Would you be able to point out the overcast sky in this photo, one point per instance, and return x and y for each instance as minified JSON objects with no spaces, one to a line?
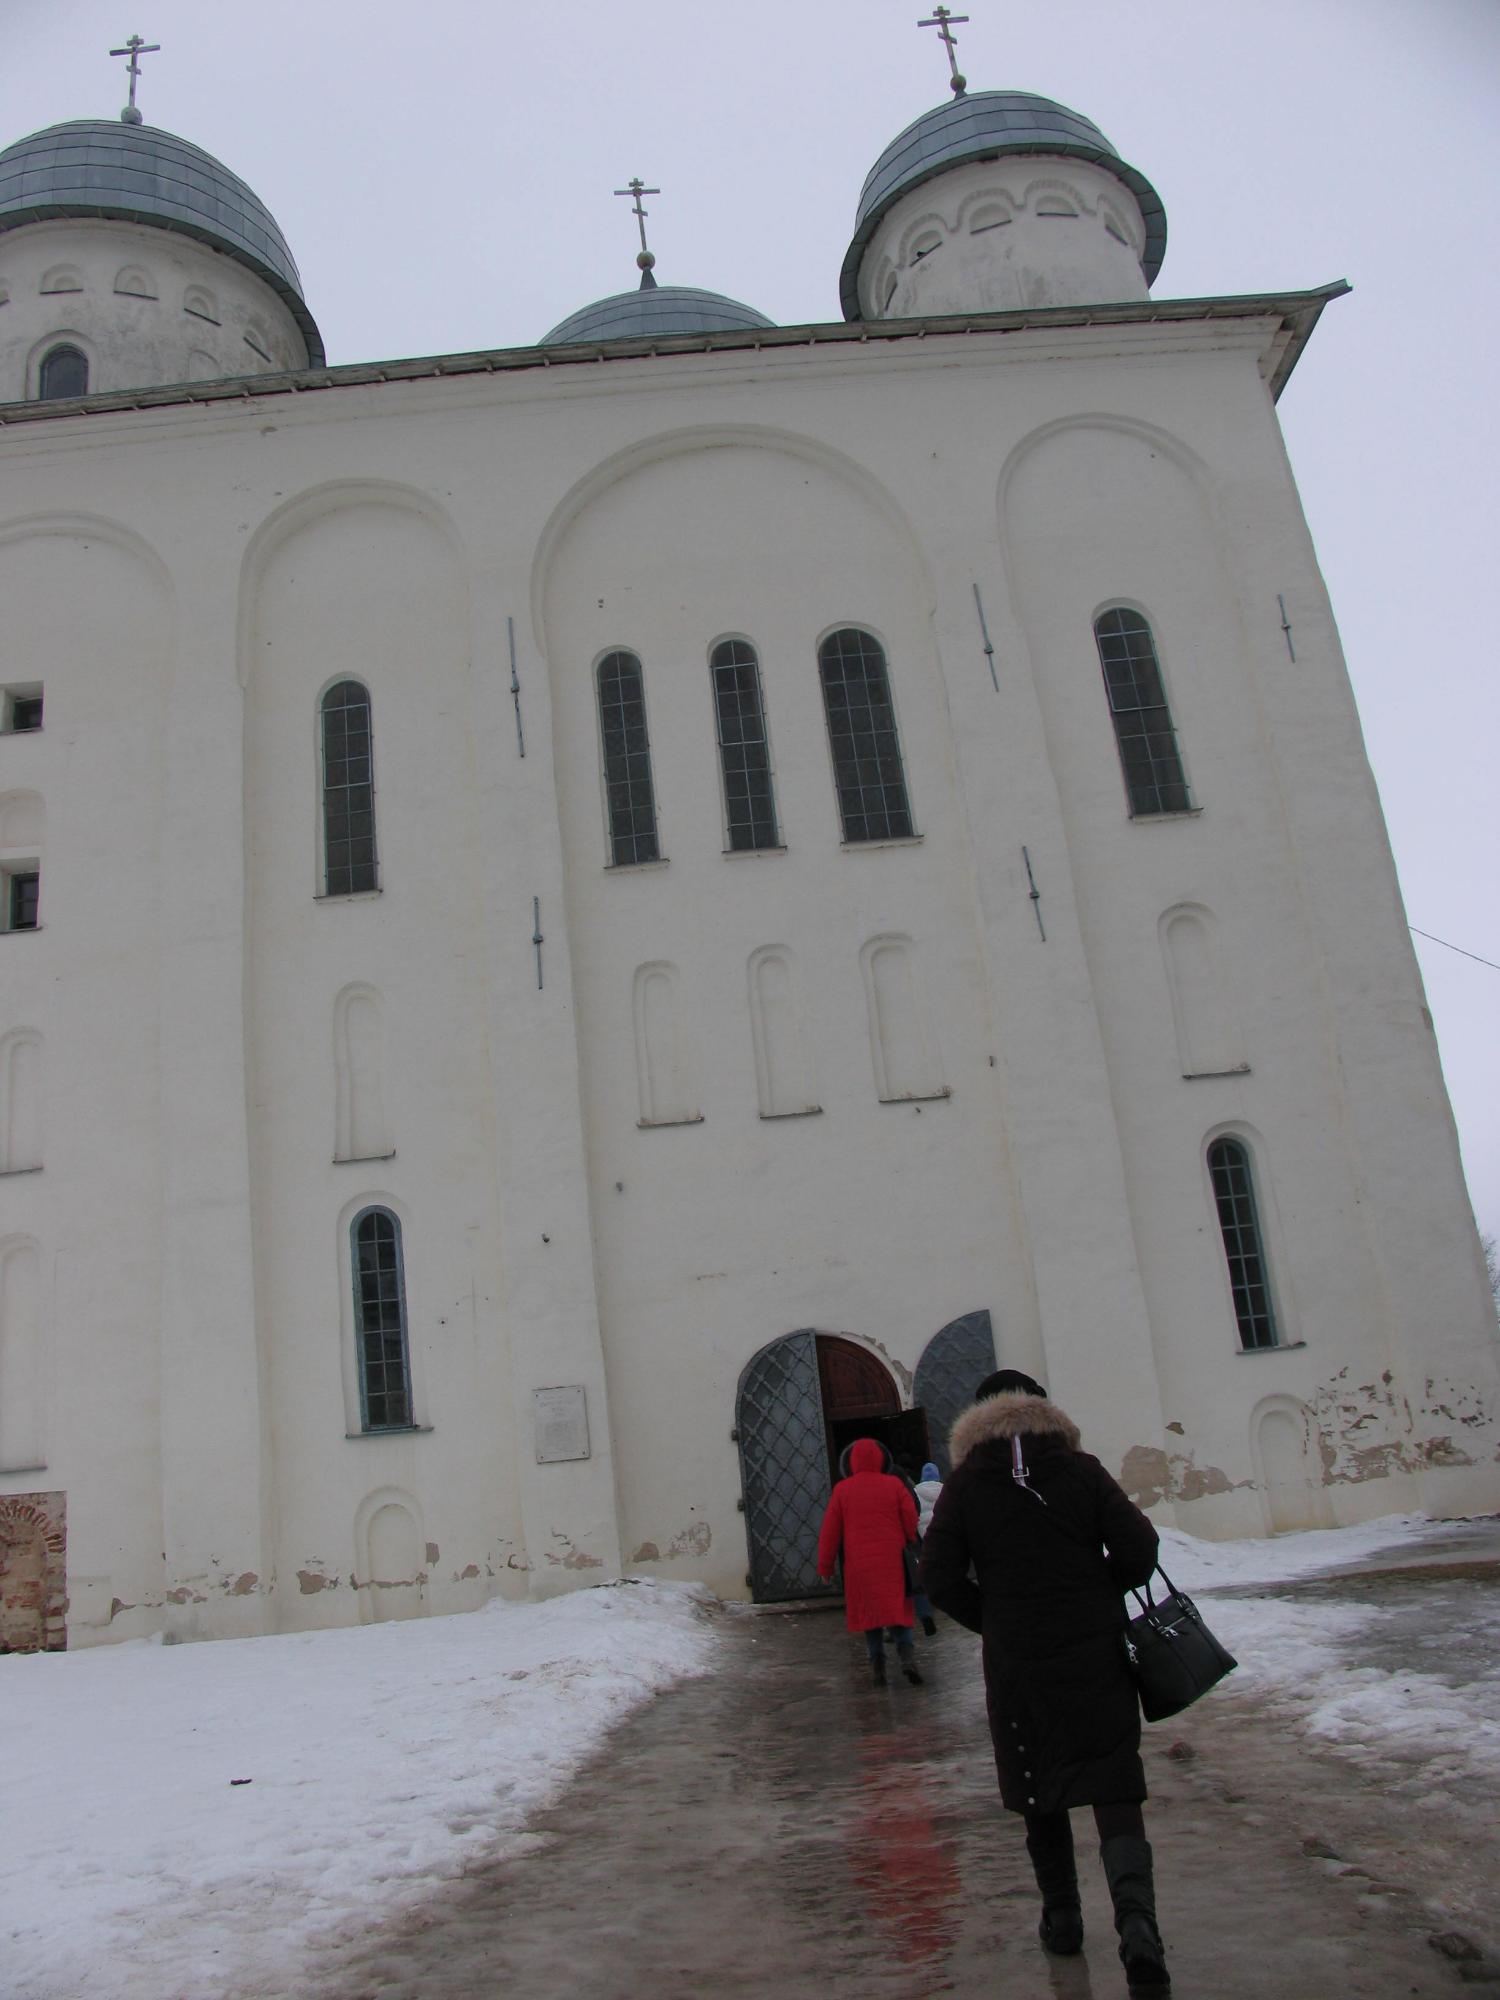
{"x":444,"y":176}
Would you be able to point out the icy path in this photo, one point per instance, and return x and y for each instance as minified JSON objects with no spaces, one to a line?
{"x":381,"y":1761}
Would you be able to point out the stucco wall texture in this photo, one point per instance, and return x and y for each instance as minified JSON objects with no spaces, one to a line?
{"x":187,"y":581}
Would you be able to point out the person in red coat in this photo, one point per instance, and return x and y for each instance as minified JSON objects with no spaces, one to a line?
{"x":870,"y":1520}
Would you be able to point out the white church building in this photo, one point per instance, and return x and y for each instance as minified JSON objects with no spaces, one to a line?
{"x":585,"y":923}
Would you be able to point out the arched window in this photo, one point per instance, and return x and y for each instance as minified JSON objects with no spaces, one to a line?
{"x":348,"y":791}
{"x":380,"y":1321}
{"x":64,"y":372}
{"x":627,"y":761}
{"x":744,"y":753}
{"x":1244,"y":1248}
{"x":862,"y":736}
{"x":1154,"y":781}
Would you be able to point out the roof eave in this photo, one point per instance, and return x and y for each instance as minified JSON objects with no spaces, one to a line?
{"x":1296,"y":314}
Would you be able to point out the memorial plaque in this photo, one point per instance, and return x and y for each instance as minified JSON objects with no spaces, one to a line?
{"x":562,"y":1424}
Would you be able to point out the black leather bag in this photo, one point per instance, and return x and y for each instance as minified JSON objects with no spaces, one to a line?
{"x":1173,"y":1655}
{"x":911,"y":1555}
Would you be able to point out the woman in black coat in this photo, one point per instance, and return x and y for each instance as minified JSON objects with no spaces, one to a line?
{"x":1053,"y":1544}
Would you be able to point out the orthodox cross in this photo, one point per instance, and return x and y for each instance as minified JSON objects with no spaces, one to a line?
{"x":135,"y":48}
{"x":943,"y":19}
{"x":637,"y":188}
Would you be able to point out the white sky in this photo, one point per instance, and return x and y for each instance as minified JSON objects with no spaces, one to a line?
{"x":444,"y":177}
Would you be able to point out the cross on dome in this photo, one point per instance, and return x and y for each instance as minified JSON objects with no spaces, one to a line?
{"x":135,"y":47}
{"x":943,"y":19}
{"x":644,"y":260}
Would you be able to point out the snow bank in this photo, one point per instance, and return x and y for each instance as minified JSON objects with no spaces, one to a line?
{"x":1317,"y":1659}
{"x":381,"y":1760}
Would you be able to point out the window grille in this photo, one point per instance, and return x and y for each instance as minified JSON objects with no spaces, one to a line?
{"x":867,"y":771}
{"x":1244,"y":1251}
{"x":627,"y":761}
{"x":25,"y":713}
{"x":1154,"y":780}
{"x":64,"y":372}
{"x":380,"y":1322}
{"x":348,"y":791}
{"x":744,"y":753}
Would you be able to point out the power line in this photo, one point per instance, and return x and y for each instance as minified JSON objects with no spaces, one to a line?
{"x":1454,"y":947}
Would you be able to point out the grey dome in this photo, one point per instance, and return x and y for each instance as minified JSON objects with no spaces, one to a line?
{"x":983,"y":125}
{"x":135,"y":173}
{"x":659,"y":309}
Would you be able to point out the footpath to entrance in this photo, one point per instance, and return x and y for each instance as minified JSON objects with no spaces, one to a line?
{"x":784,"y":1829}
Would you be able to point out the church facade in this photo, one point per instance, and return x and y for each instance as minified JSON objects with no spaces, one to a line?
{"x":585,"y":923}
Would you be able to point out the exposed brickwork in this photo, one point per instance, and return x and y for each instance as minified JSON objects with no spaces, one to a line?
{"x":33,"y":1573}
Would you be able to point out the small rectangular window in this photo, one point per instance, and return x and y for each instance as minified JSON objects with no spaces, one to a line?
{"x":20,"y":709}
{"x":23,"y":891}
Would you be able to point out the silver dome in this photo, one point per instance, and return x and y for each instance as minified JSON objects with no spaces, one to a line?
{"x":135,"y":173}
{"x":658,"y":309}
{"x":983,"y":125}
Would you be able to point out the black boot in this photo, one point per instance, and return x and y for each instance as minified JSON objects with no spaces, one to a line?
{"x":1127,"y":1869}
{"x":877,"y":1671}
{"x":929,"y":1626}
{"x":1050,"y":1846}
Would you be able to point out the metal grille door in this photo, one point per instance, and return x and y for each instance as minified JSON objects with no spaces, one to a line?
{"x":953,"y":1364}
{"x":784,"y":1468}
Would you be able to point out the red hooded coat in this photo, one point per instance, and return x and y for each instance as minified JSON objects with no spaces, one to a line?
{"x":870,"y":1519}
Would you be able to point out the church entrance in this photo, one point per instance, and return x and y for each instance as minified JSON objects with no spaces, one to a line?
{"x":801,"y":1402}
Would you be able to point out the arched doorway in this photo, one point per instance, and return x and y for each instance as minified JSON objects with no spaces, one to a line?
{"x":800,"y":1401}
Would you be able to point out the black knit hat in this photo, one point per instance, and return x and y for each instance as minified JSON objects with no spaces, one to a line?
{"x":1008,"y":1382}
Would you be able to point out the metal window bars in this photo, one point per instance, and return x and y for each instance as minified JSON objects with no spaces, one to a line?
{"x":868,"y":774}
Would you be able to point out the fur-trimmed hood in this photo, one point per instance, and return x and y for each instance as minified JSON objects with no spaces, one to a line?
{"x":1000,"y":1418}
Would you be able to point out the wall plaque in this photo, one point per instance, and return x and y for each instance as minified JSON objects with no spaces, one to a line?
{"x":562,"y":1424}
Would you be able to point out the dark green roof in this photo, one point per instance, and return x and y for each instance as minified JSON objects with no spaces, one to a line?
{"x":135,"y":173}
{"x":984,"y":125}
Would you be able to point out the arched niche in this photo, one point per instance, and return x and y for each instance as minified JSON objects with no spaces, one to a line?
{"x":903,"y":1045}
{"x":23,"y":1358}
{"x":20,"y":1101}
{"x":362,"y":1128}
{"x":390,"y":1556}
{"x":708,"y":533}
{"x":1204,"y":1017}
{"x":1284,"y":1452}
{"x":784,"y":1081}
{"x":364,"y":583}
{"x":1098,"y":511}
{"x":666,"y":1051}
{"x":91,"y":599}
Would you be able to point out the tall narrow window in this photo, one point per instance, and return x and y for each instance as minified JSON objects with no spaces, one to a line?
{"x":862,"y":736}
{"x":1154,"y":781}
{"x":749,"y":803}
{"x":380,"y":1322}
{"x":64,"y":372}
{"x":1244,"y":1250}
{"x":627,"y":761}
{"x":348,"y":791}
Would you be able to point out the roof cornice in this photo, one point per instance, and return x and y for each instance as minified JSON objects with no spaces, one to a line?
{"x":1296,"y":312}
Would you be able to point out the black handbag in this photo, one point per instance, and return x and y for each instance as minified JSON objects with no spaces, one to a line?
{"x":911,"y":1555}
{"x":1172,"y":1654}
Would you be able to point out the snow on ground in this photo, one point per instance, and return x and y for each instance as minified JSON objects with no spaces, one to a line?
{"x":381,"y":1760}
{"x":1334,"y":1668}
{"x":387,"y":1759}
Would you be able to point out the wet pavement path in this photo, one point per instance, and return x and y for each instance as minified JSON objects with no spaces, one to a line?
{"x":781,"y":1828}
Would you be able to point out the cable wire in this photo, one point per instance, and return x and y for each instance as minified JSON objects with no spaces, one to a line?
{"x":1454,"y":947}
